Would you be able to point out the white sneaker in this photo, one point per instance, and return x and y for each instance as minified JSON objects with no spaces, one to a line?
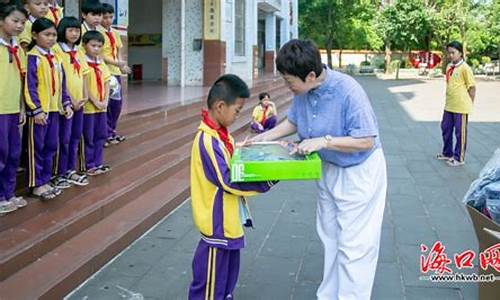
{"x":19,"y":201}
{"x":7,"y":207}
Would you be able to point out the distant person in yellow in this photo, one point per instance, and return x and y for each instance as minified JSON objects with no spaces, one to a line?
{"x":265,"y":115}
{"x":460,"y":94}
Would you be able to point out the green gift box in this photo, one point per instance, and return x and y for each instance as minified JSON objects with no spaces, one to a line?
{"x":271,"y":161}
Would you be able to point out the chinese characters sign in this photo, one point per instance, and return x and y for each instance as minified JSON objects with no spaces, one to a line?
{"x":212,"y":20}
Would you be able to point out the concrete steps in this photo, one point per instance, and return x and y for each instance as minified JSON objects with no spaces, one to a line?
{"x":58,"y":244}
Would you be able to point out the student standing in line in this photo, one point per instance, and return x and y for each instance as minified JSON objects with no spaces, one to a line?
{"x":71,"y":130}
{"x":12,"y":68}
{"x":47,"y":99}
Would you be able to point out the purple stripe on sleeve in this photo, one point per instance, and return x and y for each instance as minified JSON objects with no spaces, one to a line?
{"x":260,"y":187}
{"x":208,"y":168}
{"x":66,"y":100}
{"x":218,"y":214}
{"x":32,"y":81}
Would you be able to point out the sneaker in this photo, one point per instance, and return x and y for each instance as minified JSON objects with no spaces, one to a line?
{"x":7,"y":207}
{"x":19,"y":201}
{"x":455,"y":163}
{"x":61,"y":182}
{"x":441,"y":156}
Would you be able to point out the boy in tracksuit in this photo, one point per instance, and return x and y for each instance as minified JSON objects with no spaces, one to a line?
{"x":219,"y":209}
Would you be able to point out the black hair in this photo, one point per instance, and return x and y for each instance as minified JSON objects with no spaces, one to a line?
{"x":264,"y":95}
{"x":108,"y":8}
{"x":457,"y":45}
{"x":92,"y":35}
{"x":38,"y":26}
{"x":227,"y":88}
{"x":299,"y":58}
{"x":64,"y":24}
{"x":92,"y":6}
{"x":7,"y":9}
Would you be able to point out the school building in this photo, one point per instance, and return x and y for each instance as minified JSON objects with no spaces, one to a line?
{"x":192,"y":42}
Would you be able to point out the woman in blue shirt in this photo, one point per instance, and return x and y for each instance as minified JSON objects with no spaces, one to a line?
{"x":332,"y":114}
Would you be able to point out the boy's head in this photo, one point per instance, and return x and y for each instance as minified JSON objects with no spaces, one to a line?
{"x":299,"y":63}
{"x":37,"y":8}
{"x":455,"y":51}
{"x":108,"y":15}
{"x":226,"y":99}
{"x":92,"y":43}
{"x":92,"y":12}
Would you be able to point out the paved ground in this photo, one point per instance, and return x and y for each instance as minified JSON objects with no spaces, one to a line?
{"x":283,"y":259}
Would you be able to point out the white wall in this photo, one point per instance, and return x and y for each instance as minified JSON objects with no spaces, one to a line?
{"x":172,"y":39}
{"x":146,"y":17}
{"x":194,"y":30}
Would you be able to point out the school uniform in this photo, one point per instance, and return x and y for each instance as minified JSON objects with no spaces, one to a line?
{"x":266,"y":116}
{"x":12,"y":68}
{"x":25,"y":36}
{"x":112,"y":45}
{"x":218,"y":208}
{"x":352,"y":188}
{"x":56,"y":13}
{"x":45,"y":92}
{"x":71,"y":130}
{"x":95,"y":119}
{"x":459,"y":79}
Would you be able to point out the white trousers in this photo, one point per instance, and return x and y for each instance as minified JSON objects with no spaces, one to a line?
{"x":349,"y":217}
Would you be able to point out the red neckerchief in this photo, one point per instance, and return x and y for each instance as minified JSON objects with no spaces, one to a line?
{"x":112,"y":40}
{"x":74,"y":61}
{"x":54,"y":11}
{"x":52,"y":71}
{"x":13,"y":53}
{"x":452,"y":68}
{"x":221,"y":131}
{"x":264,"y":115}
{"x":98,"y":75}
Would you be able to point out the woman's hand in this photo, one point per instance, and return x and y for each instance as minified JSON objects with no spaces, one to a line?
{"x":310,"y":145}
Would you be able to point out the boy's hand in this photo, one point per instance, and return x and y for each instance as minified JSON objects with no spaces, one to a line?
{"x":41,"y":119}
{"x":310,"y":145}
{"x":125,"y":69}
{"x":245,"y":142}
{"x":69,"y":112}
{"x":22,"y":118}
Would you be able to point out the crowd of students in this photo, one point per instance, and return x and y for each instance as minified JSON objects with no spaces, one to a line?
{"x":60,"y":96}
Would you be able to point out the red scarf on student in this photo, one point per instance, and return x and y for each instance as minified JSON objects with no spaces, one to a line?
{"x":50,"y":58}
{"x":13,"y":51}
{"x":221,"y":130}
{"x":74,"y":61}
{"x":98,"y":76}
{"x":54,"y":11}
{"x":264,"y":115}
{"x":112,"y":40}
{"x":452,"y":68}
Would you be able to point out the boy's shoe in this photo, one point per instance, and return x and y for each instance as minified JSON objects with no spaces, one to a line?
{"x":18,"y":201}
{"x":92,"y":172}
{"x":61,"y":182}
{"x":103,"y":169}
{"x":7,"y":207}
{"x":107,"y":144}
{"x":76,"y":179}
{"x":455,"y":163}
{"x":120,"y":138}
{"x":441,"y":156}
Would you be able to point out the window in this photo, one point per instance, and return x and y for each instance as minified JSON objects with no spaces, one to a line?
{"x":239,"y":27}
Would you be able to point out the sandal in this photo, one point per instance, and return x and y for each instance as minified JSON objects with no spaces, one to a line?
{"x":454,"y":163}
{"x":120,"y":138}
{"x":93,"y":172}
{"x":61,"y":182}
{"x":48,"y":194}
{"x":76,"y":179}
{"x":103,"y":169}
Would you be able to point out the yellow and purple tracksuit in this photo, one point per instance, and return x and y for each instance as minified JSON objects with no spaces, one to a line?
{"x":218,"y":213}
{"x":45,"y":92}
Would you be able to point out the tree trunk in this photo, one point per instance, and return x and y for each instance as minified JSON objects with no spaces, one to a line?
{"x":340,"y":57}
{"x":498,"y":49}
{"x":399,"y":65}
{"x":329,"y":53}
{"x":387,"y":56}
